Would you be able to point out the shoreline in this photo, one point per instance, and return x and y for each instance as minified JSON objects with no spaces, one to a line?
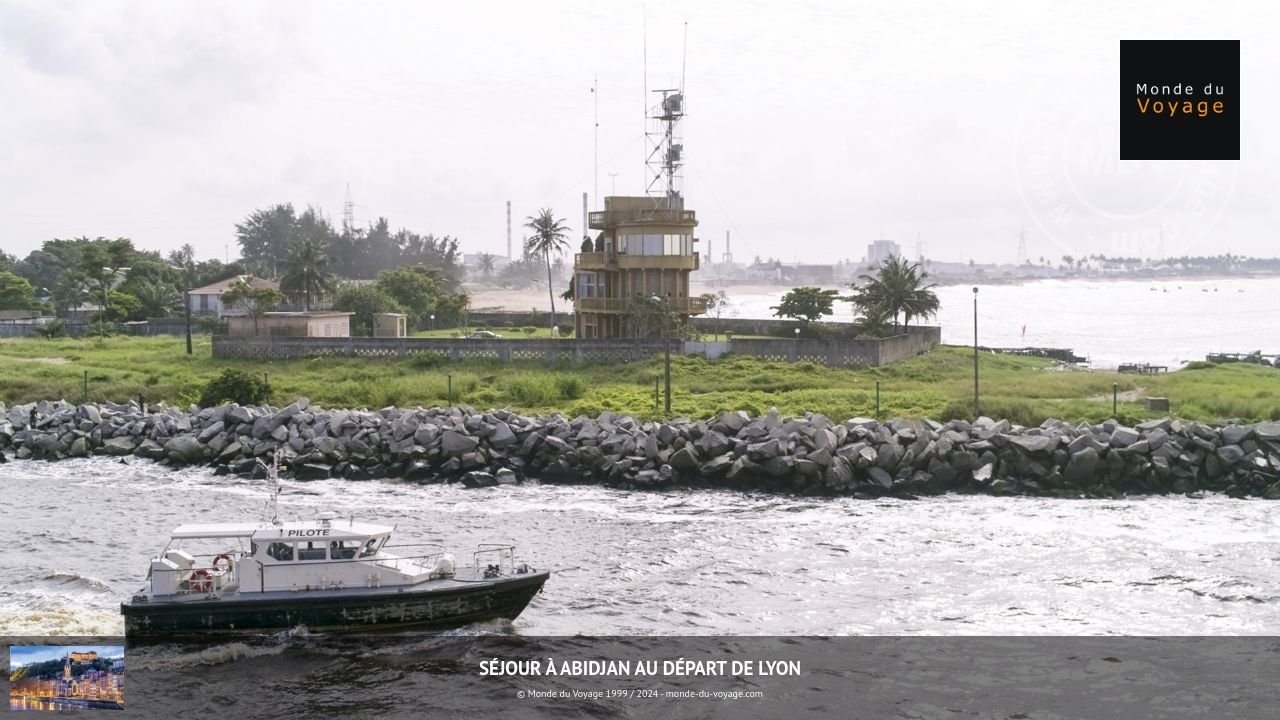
{"x":498,"y":300}
{"x":810,"y":455}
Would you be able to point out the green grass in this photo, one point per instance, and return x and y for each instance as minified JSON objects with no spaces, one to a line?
{"x":937,"y":385}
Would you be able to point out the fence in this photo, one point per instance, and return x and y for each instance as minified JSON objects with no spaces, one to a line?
{"x":80,"y":329}
{"x":836,"y":353}
{"x":843,"y":353}
{"x":280,"y":348}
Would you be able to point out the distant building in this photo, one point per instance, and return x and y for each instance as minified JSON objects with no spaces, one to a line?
{"x":292,"y":324}
{"x":646,"y":252}
{"x":798,"y":274}
{"x":472,"y":262}
{"x":207,"y":300}
{"x":84,"y":657}
{"x":390,"y":325}
{"x":770,"y":270}
{"x":880,"y":250}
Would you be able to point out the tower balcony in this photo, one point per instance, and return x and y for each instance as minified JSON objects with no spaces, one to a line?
{"x":680,"y":305}
{"x":615,"y":261}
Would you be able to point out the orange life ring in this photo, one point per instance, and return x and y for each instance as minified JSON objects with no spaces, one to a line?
{"x":201,"y":581}
{"x":220,"y":558}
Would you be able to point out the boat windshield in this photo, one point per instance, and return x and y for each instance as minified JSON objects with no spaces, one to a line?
{"x":372,"y":546}
{"x":343,"y":549}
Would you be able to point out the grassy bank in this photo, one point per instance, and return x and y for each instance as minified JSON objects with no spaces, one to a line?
{"x":937,"y":385}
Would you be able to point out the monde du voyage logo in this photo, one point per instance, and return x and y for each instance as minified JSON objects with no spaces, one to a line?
{"x":1179,"y":99}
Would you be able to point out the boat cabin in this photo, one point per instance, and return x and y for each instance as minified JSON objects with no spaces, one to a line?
{"x":322,"y":554}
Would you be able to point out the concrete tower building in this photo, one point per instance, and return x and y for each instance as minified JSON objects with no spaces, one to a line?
{"x":644,"y":247}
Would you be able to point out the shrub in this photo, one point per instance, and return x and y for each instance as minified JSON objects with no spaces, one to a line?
{"x":529,"y":330}
{"x":50,"y":330}
{"x":236,"y":386}
{"x":1200,"y":365}
{"x":570,"y":387}
{"x":101,"y":328}
{"x":211,"y":325}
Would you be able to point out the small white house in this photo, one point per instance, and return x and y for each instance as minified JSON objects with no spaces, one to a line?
{"x":207,"y":300}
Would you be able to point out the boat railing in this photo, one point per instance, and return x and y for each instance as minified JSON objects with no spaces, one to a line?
{"x":402,"y":563}
{"x":494,"y":555}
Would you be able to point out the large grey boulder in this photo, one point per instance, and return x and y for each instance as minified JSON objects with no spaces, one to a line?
{"x":454,"y":443}
{"x":184,"y":448}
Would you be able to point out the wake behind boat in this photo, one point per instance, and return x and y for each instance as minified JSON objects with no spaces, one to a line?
{"x":327,"y":574}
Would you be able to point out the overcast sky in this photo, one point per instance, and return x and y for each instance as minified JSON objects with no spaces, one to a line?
{"x":813,"y":127}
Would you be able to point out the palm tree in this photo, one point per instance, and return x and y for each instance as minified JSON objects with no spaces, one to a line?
{"x":486,"y":264}
{"x":306,"y":272}
{"x":182,"y":257}
{"x":549,"y":235}
{"x":159,"y":300}
{"x":896,"y":290}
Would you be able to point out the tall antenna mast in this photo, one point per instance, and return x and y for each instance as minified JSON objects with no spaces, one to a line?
{"x":348,"y":213}
{"x":1022,"y":245}
{"x":684,"y":55}
{"x":666,"y":146}
{"x":595,"y":96}
{"x":644,"y":64}
{"x":509,"y":256}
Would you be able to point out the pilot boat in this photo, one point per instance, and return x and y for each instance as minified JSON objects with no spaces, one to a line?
{"x":327,"y":574}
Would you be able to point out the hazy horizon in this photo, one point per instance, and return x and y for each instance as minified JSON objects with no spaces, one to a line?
{"x":813,"y":128}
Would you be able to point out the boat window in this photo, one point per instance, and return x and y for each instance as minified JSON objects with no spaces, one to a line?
{"x":311,"y":552}
{"x":371,"y":547}
{"x":343,"y":549}
{"x":280,"y":551}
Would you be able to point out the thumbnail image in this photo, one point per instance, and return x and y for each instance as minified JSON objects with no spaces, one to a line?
{"x":66,"y":677}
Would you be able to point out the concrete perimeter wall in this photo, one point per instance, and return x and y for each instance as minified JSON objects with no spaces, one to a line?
{"x":836,"y":353}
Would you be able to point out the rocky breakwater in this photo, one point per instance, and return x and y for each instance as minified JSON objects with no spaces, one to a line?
{"x":809,"y":454}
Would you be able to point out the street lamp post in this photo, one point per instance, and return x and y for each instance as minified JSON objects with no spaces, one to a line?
{"x":976,"y":412}
{"x":796,"y":347}
{"x":666,"y":354}
{"x":433,"y":323}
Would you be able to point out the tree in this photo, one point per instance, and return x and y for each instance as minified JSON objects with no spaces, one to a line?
{"x":255,"y":302}
{"x":122,"y":306}
{"x":420,"y":291}
{"x":156,"y":300}
{"x":806,"y":304}
{"x":16,"y":293}
{"x":7,"y":261}
{"x":717,"y":306}
{"x":264,"y":236}
{"x":897,"y":289}
{"x":183,"y":256}
{"x":486,"y":264}
{"x":100,"y":265}
{"x":365,"y":301}
{"x":549,"y":236}
{"x":306,"y":273}
{"x":649,"y":315}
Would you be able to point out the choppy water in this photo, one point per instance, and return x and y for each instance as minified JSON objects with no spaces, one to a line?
{"x":1163,"y":322}
{"x":78,"y":534}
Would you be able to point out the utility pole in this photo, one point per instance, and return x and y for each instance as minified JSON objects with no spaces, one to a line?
{"x":187,"y":308}
{"x":664,"y":304}
{"x":976,"y":412}
{"x":509,"y":256}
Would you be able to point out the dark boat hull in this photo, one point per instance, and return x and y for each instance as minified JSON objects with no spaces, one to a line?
{"x":350,"y":610}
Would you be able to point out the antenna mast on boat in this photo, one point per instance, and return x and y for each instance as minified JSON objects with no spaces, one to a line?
{"x":273,"y":473}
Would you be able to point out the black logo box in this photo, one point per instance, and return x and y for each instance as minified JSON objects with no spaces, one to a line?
{"x":1186,"y":65}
